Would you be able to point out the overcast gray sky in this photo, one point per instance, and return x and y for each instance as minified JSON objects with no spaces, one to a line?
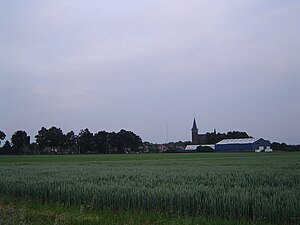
{"x":152,"y":64}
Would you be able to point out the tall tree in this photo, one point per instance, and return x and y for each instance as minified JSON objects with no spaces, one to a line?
{"x":112,"y":140}
{"x":71,"y":141}
{"x":6,"y":149}
{"x":101,"y":142}
{"x":85,"y":141}
{"x":52,"y":138}
{"x":20,"y":141}
{"x":127,"y":140}
{"x":2,"y":136}
{"x":41,"y":138}
{"x":55,"y":138}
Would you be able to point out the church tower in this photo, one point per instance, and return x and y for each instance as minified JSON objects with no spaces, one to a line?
{"x":195,"y":138}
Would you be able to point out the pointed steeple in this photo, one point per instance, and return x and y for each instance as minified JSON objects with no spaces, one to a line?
{"x":194,"y":125}
{"x":195,"y":136}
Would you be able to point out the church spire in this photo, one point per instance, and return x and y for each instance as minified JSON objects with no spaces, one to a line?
{"x":194,"y":125}
{"x":195,"y":136}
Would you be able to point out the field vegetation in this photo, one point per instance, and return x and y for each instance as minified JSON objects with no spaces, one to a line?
{"x":258,"y":188}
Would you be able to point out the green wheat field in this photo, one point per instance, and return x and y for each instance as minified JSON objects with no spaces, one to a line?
{"x":195,"y":188}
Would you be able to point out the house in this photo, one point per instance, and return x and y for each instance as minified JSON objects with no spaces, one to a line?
{"x":163,"y":148}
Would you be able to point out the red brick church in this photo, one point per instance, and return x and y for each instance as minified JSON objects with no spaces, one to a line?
{"x":197,"y":139}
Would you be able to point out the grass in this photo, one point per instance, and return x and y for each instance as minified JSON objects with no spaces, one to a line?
{"x":134,"y":157}
{"x":153,"y":188}
{"x":15,"y":212}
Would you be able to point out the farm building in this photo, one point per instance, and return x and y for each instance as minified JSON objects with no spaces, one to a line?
{"x":191,"y":147}
{"x":195,"y":147}
{"x":243,"y":145}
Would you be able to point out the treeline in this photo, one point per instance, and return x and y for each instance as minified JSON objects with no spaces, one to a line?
{"x":284,"y":147}
{"x":214,"y":137}
{"x":54,"y":141}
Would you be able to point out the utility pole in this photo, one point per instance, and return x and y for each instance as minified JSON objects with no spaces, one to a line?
{"x":167,"y":133}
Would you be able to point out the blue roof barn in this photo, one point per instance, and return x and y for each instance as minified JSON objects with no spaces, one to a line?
{"x":243,"y":145}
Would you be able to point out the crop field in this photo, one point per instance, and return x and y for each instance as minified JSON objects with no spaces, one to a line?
{"x":252,"y":187}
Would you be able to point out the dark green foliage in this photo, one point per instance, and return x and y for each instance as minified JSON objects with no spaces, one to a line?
{"x":41,"y":138}
{"x":33,"y":148}
{"x":55,"y":137}
{"x":53,"y":140}
{"x":213,"y":138}
{"x":2,"y":136}
{"x":85,"y":141}
{"x":20,"y":142}
{"x":204,"y":149}
{"x":50,"y":140}
{"x":236,"y":134}
{"x":6,"y":149}
{"x":284,"y":147}
{"x":101,"y":142}
{"x":127,"y":140}
{"x":71,"y":142}
{"x":123,"y":141}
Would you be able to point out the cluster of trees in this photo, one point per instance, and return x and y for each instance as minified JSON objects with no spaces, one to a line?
{"x":284,"y":147}
{"x":53,"y":140}
{"x":214,"y":137}
{"x":20,"y":142}
{"x":2,"y":135}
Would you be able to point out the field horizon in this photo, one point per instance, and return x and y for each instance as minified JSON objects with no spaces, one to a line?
{"x":261,"y":188}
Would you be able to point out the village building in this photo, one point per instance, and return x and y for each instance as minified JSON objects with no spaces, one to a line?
{"x":243,"y":145}
{"x":197,"y":139}
{"x":228,"y":145}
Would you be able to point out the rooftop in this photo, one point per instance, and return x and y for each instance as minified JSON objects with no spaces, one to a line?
{"x":238,"y":141}
{"x":191,"y":147}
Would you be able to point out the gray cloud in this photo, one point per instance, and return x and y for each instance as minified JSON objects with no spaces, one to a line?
{"x":141,"y":65}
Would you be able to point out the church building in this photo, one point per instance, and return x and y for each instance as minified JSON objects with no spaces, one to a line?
{"x":197,"y":139}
